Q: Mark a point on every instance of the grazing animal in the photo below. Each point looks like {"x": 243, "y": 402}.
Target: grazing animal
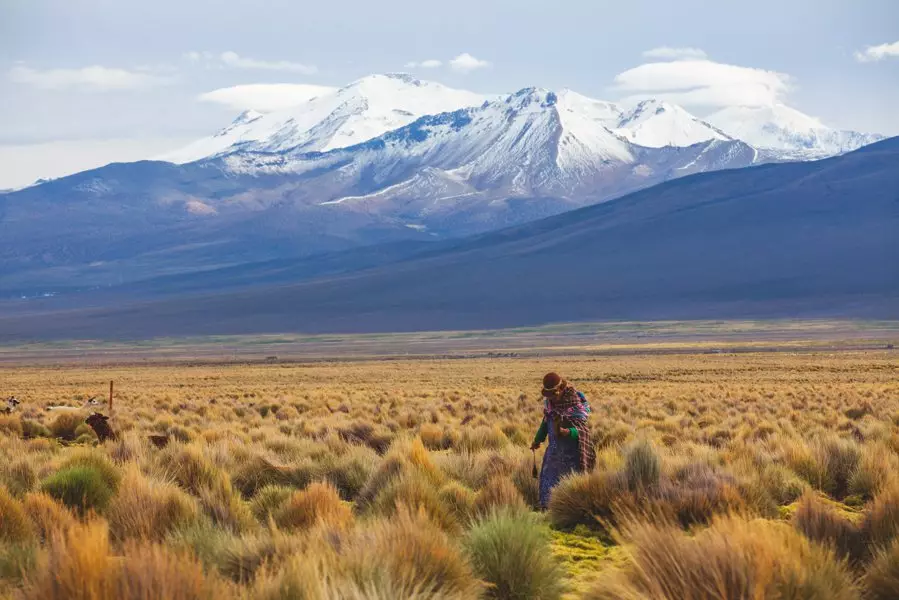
{"x": 93, "y": 402}
{"x": 160, "y": 441}
{"x": 11, "y": 403}
{"x": 98, "y": 423}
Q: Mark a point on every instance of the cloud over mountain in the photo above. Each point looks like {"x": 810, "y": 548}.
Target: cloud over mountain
{"x": 704, "y": 83}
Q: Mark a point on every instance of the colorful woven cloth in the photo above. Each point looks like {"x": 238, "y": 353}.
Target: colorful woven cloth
{"x": 563, "y": 455}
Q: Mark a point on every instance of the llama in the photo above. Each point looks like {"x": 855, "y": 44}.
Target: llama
{"x": 98, "y": 423}
{"x": 11, "y": 403}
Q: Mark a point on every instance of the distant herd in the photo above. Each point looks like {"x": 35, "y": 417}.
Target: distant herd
{"x": 97, "y": 421}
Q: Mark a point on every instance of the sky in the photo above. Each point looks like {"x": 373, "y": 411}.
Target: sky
{"x": 94, "y": 81}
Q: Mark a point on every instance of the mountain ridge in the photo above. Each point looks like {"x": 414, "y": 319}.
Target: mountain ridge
{"x": 293, "y": 189}
{"x": 811, "y": 239}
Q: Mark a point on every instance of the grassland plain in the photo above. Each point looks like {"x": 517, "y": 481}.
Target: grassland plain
{"x": 719, "y": 475}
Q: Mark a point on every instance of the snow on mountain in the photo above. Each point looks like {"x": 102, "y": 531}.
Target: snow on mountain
{"x": 533, "y": 139}
{"x": 554, "y": 150}
{"x": 350, "y": 115}
{"x": 654, "y": 124}
{"x": 787, "y": 133}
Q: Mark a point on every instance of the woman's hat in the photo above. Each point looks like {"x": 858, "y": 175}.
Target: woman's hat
{"x": 551, "y": 382}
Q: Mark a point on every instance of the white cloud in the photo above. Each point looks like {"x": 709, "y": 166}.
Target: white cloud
{"x": 425, "y": 64}
{"x": 704, "y": 83}
{"x": 880, "y": 52}
{"x": 234, "y": 60}
{"x": 94, "y": 78}
{"x": 195, "y": 57}
{"x": 465, "y": 63}
{"x": 669, "y": 53}
{"x": 264, "y": 97}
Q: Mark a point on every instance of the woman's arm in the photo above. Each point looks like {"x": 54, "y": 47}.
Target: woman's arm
{"x": 541, "y": 435}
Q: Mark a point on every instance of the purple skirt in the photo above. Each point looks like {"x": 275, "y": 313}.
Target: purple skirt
{"x": 561, "y": 458}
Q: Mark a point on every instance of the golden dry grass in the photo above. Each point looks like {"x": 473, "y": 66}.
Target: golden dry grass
{"x": 719, "y": 474}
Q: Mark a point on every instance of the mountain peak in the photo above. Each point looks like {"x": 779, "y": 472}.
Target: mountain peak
{"x": 787, "y": 132}
{"x": 655, "y": 123}
{"x": 533, "y": 95}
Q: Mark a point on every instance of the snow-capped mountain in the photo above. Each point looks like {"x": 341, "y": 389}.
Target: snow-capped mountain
{"x": 785, "y": 133}
{"x": 461, "y": 167}
{"x": 358, "y": 112}
{"x": 387, "y": 158}
{"x": 654, "y": 124}
{"x": 377, "y": 104}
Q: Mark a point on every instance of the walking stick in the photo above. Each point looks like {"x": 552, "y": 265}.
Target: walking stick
{"x": 534, "y": 471}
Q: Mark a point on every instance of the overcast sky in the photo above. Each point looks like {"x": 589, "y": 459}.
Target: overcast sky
{"x": 87, "y": 82}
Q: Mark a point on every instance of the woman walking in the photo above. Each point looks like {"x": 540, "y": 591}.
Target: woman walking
{"x": 570, "y": 449}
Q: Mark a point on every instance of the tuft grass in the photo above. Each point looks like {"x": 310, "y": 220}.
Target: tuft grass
{"x": 81, "y": 488}
{"x": 511, "y": 551}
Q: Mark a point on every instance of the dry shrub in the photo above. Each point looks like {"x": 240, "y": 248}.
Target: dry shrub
{"x": 154, "y": 571}
{"x": 499, "y": 493}
{"x": 407, "y": 460}
{"x": 303, "y": 577}
{"x": 14, "y": 524}
{"x": 881, "y": 522}
{"x": 459, "y": 499}
{"x": 16, "y": 561}
{"x": 258, "y": 472}
{"x": 877, "y": 467}
{"x": 130, "y": 447}
{"x": 734, "y": 558}
{"x": 66, "y": 423}
{"x": 46, "y": 514}
{"x": 149, "y": 509}
{"x": 529, "y": 486}
{"x": 416, "y": 492}
{"x": 698, "y": 494}
{"x": 474, "y": 439}
{"x": 587, "y": 499}
{"x": 432, "y": 437}
{"x": 11, "y": 425}
{"x": 408, "y": 556}
{"x": 881, "y": 581}
{"x": 77, "y": 566}
{"x": 511, "y": 552}
{"x": 188, "y": 466}
{"x": 837, "y": 459}
{"x": 472, "y": 469}
{"x": 20, "y": 477}
{"x": 319, "y": 502}
{"x": 224, "y": 505}
{"x": 421, "y": 460}
{"x": 241, "y": 557}
{"x": 32, "y": 429}
{"x": 821, "y": 523}
{"x": 268, "y": 500}
{"x": 782, "y": 484}
{"x": 366, "y": 434}
{"x": 350, "y": 471}
{"x": 390, "y": 469}
{"x": 642, "y": 465}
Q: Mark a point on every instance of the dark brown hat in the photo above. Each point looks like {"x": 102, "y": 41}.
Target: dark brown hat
{"x": 551, "y": 381}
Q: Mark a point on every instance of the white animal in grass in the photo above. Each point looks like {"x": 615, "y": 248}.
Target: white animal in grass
{"x": 93, "y": 402}
{"x": 11, "y": 403}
